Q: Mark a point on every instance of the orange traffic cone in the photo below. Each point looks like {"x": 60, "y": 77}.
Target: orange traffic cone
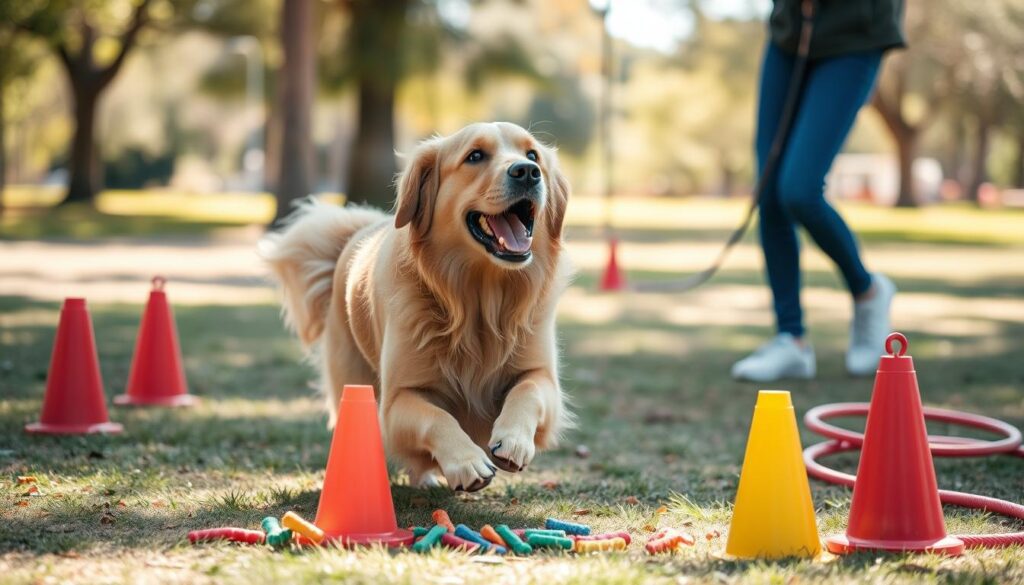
{"x": 896, "y": 503}
{"x": 157, "y": 377}
{"x": 355, "y": 504}
{"x": 74, "y": 403}
{"x": 612, "y": 279}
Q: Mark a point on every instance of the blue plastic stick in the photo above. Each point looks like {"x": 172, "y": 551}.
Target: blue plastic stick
{"x": 568, "y": 527}
{"x": 466, "y": 533}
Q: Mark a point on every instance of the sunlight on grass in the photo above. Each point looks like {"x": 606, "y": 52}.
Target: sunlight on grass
{"x": 957, "y": 223}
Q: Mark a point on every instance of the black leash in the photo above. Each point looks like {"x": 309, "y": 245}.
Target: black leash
{"x": 770, "y": 166}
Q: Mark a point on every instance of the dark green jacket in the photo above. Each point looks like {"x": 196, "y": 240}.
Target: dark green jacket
{"x": 840, "y": 26}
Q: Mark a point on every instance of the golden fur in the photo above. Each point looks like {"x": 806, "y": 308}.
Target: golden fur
{"x": 460, "y": 344}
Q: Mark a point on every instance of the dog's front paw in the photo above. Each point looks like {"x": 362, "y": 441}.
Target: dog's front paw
{"x": 511, "y": 451}
{"x": 469, "y": 472}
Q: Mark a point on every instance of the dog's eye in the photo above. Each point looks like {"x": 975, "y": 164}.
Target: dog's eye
{"x": 532, "y": 155}
{"x": 475, "y": 156}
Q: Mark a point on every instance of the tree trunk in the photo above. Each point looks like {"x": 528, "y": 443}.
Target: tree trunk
{"x": 297, "y": 84}
{"x": 3, "y": 151}
{"x": 377, "y": 30}
{"x": 1018, "y": 180}
{"x": 978, "y": 174}
{"x": 83, "y": 183}
{"x": 906, "y": 148}
{"x": 372, "y": 164}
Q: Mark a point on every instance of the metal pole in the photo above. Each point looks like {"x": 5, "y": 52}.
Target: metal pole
{"x": 253, "y": 157}
{"x": 607, "y": 61}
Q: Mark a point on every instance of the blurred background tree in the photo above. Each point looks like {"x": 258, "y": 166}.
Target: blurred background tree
{"x": 963, "y": 67}
{"x": 92, "y": 39}
{"x": 347, "y": 83}
{"x": 16, "y": 62}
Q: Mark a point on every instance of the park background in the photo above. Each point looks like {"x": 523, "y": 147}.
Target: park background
{"x": 164, "y": 136}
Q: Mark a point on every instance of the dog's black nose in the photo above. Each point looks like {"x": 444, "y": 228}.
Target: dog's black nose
{"x": 526, "y": 174}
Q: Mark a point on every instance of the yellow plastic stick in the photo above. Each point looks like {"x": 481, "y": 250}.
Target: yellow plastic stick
{"x": 589, "y": 546}
{"x": 302, "y": 526}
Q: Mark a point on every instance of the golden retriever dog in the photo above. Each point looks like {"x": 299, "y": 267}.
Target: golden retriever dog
{"x": 447, "y": 307}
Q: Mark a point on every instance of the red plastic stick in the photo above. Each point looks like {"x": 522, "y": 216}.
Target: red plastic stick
{"x": 227, "y": 533}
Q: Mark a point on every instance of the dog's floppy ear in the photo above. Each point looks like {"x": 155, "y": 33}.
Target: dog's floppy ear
{"x": 558, "y": 192}
{"x": 417, "y": 189}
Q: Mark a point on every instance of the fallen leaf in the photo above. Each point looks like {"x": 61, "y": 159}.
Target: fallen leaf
{"x": 581, "y": 512}
{"x": 70, "y": 554}
{"x": 650, "y": 528}
{"x": 122, "y": 504}
{"x": 661, "y": 510}
{"x": 21, "y": 503}
{"x": 23, "y": 479}
{"x": 33, "y": 491}
{"x": 156, "y": 503}
{"x": 514, "y": 502}
{"x": 632, "y": 500}
{"x": 712, "y": 535}
{"x": 549, "y": 484}
{"x": 107, "y": 519}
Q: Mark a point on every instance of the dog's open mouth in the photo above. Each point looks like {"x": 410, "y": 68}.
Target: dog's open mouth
{"x": 507, "y": 235}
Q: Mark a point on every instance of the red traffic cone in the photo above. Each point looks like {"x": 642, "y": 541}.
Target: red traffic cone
{"x": 157, "y": 377}
{"x": 612, "y": 279}
{"x": 74, "y": 403}
{"x": 355, "y": 504}
{"x": 896, "y": 503}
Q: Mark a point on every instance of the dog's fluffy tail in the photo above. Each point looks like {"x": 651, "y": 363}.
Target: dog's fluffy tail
{"x": 304, "y": 255}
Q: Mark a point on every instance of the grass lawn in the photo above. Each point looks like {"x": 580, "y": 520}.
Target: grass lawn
{"x": 664, "y": 424}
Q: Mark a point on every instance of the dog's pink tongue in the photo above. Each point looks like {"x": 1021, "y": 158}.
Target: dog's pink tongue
{"x": 509, "y": 228}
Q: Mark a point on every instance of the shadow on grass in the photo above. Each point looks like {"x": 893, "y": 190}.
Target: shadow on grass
{"x": 867, "y": 235}
{"x": 1010, "y": 288}
{"x": 656, "y": 422}
{"x": 81, "y": 222}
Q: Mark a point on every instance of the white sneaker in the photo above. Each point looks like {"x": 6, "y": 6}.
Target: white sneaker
{"x": 781, "y": 357}
{"x": 870, "y": 327}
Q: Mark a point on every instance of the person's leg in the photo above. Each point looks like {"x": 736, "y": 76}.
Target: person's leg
{"x": 777, "y": 231}
{"x": 786, "y": 355}
{"x": 834, "y": 91}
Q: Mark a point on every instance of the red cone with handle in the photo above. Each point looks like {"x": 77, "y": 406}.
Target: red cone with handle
{"x": 896, "y": 503}
{"x": 74, "y": 403}
{"x": 157, "y": 377}
{"x": 612, "y": 279}
{"x": 355, "y": 504}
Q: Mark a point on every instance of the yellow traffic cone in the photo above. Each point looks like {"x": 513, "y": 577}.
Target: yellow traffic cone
{"x": 774, "y": 516}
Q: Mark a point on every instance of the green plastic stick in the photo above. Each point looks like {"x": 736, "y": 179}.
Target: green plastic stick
{"x": 543, "y": 532}
{"x": 419, "y": 531}
{"x": 518, "y": 546}
{"x": 547, "y": 541}
{"x": 432, "y": 537}
{"x": 276, "y": 534}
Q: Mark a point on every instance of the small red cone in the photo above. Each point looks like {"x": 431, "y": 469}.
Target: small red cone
{"x": 157, "y": 377}
{"x": 612, "y": 279}
{"x": 355, "y": 504}
{"x": 896, "y": 503}
{"x": 74, "y": 403}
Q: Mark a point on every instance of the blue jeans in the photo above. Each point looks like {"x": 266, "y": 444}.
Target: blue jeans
{"x": 833, "y": 92}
